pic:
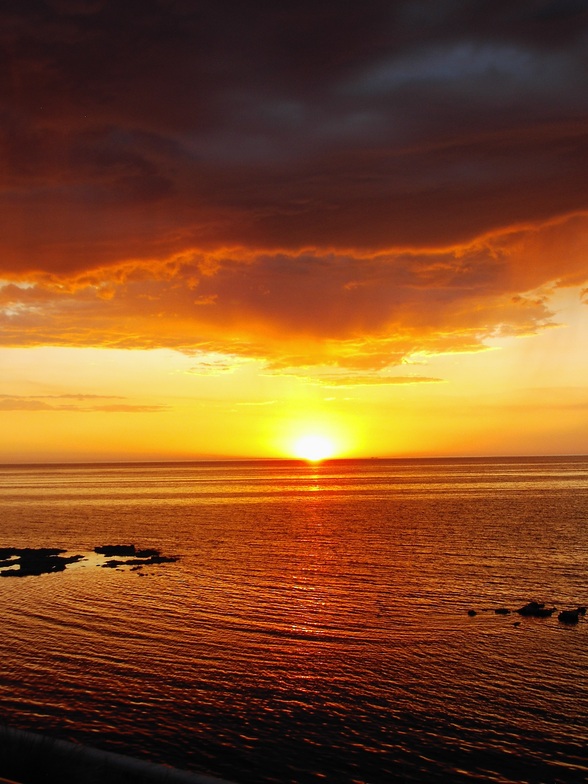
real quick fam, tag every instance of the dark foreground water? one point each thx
(315, 628)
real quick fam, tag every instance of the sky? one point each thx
(225, 227)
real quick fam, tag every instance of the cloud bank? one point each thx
(300, 184)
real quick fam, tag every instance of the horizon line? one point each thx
(228, 459)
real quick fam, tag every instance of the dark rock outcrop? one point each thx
(569, 616)
(539, 610)
(536, 610)
(34, 561)
(123, 550)
(136, 559)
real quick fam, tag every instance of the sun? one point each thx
(314, 448)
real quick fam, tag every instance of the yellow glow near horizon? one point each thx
(314, 448)
(527, 396)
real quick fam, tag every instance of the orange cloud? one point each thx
(343, 309)
(359, 186)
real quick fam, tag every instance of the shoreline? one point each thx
(28, 757)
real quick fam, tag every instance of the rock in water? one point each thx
(536, 610)
(569, 616)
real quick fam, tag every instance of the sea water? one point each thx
(315, 626)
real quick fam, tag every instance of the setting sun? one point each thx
(314, 448)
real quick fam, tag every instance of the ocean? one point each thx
(315, 626)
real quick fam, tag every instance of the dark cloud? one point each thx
(354, 167)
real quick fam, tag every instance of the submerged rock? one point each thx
(125, 550)
(138, 562)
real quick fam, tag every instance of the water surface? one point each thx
(315, 627)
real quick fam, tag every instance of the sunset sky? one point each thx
(225, 226)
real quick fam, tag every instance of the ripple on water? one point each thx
(307, 634)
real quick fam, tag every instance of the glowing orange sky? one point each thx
(244, 225)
